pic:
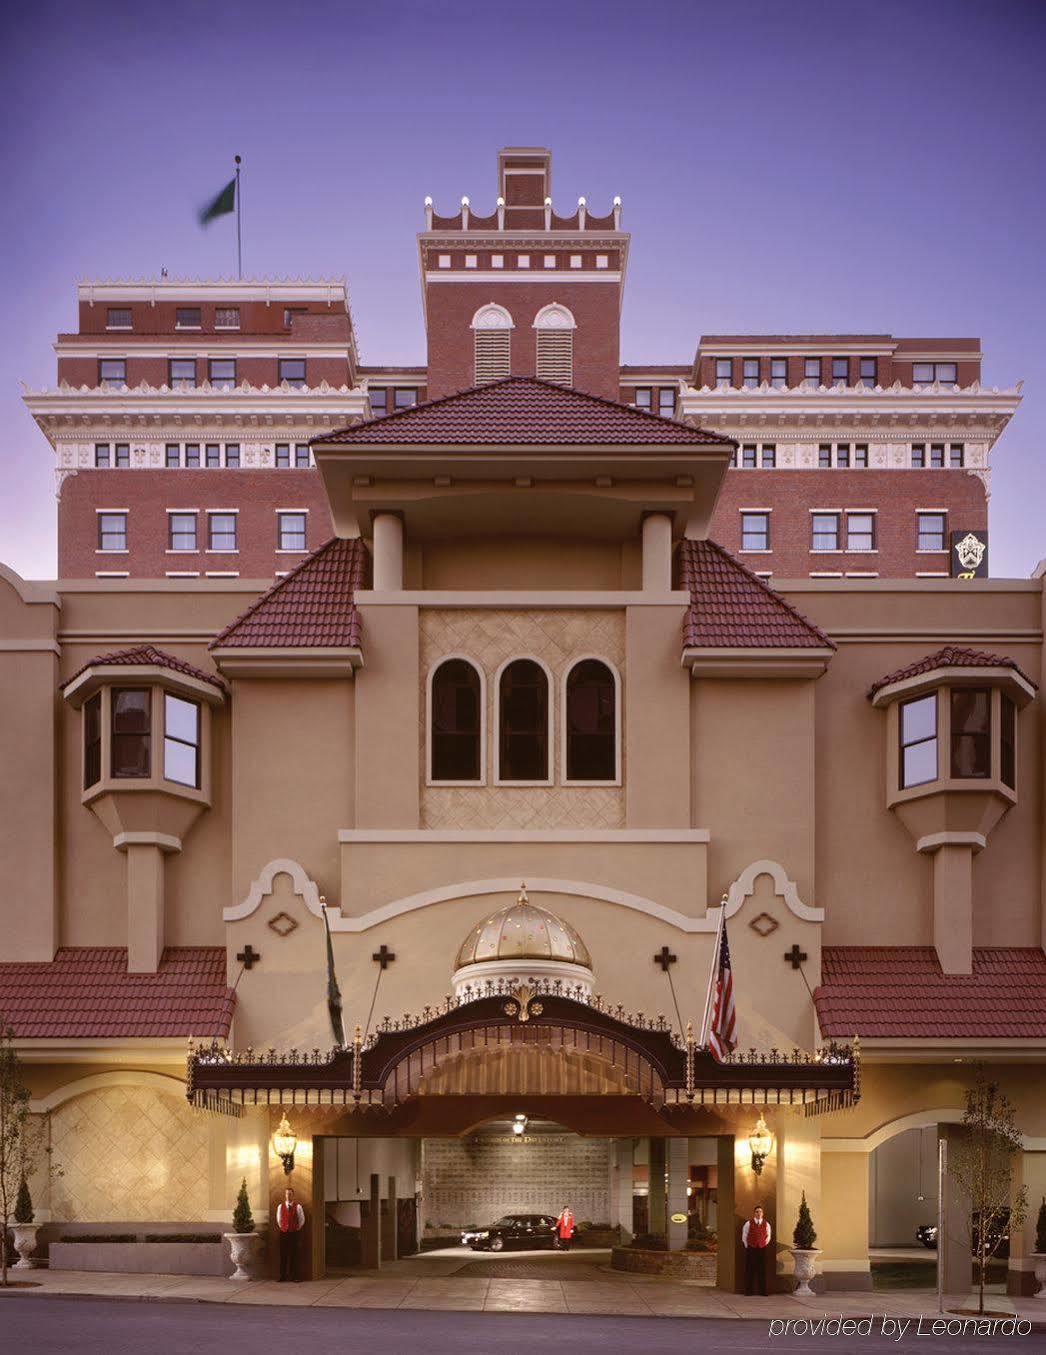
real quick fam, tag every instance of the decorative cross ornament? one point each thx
(664, 958)
(383, 956)
(795, 957)
(248, 956)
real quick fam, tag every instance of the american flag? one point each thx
(722, 1030)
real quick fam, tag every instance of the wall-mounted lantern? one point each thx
(284, 1141)
(761, 1143)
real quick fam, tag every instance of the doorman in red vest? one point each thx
(290, 1220)
(564, 1229)
(755, 1238)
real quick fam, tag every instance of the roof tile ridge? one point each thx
(399, 414)
(770, 591)
(614, 405)
(271, 592)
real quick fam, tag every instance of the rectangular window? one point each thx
(227, 317)
(748, 456)
(824, 529)
(956, 456)
(497, 261)
(918, 731)
(221, 531)
(292, 370)
(575, 260)
(868, 371)
(932, 527)
(523, 261)
(550, 261)
(812, 371)
(283, 456)
(379, 398)
(779, 372)
(971, 732)
(406, 397)
(768, 456)
(122, 455)
(112, 531)
(132, 718)
(112, 372)
(221, 372)
(102, 455)
(118, 317)
(192, 455)
(918, 455)
(172, 456)
(232, 454)
(181, 741)
(842, 456)
(181, 374)
(860, 531)
(1008, 742)
(824, 456)
(666, 402)
(724, 371)
(924, 373)
(755, 531)
(290, 531)
(936, 455)
(289, 312)
(470, 261)
(644, 398)
(840, 371)
(861, 455)
(750, 368)
(301, 456)
(187, 317)
(213, 455)
(181, 531)
(947, 372)
(92, 740)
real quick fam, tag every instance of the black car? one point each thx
(514, 1230)
(927, 1235)
(998, 1236)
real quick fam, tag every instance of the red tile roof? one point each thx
(730, 608)
(140, 655)
(900, 992)
(86, 993)
(951, 656)
(523, 410)
(313, 607)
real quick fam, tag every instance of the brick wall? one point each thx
(475, 1180)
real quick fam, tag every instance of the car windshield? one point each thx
(506, 1222)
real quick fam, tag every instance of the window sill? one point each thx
(101, 550)
(522, 785)
(219, 550)
(182, 550)
(755, 550)
(287, 550)
(605, 785)
(455, 785)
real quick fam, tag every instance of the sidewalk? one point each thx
(606, 1293)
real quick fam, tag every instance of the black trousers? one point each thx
(288, 1256)
(755, 1270)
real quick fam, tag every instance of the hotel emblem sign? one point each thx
(969, 555)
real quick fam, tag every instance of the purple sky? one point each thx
(788, 167)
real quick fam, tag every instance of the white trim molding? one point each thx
(550, 735)
(565, 778)
(162, 1082)
(260, 888)
(434, 668)
(785, 888)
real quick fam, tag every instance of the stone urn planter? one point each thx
(1039, 1257)
(805, 1268)
(243, 1248)
(25, 1244)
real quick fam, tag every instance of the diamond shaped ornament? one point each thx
(283, 924)
(762, 924)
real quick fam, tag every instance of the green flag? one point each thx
(222, 205)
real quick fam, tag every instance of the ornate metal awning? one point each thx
(642, 1057)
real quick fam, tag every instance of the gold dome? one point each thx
(523, 931)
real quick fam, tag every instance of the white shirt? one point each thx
(744, 1233)
(300, 1219)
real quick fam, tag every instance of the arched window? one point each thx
(456, 721)
(523, 716)
(554, 329)
(492, 341)
(591, 722)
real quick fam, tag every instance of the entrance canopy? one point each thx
(516, 1039)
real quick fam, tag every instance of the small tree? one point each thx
(24, 1204)
(242, 1218)
(982, 1165)
(803, 1235)
(22, 1139)
(1040, 1229)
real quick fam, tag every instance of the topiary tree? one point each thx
(1040, 1228)
(803, 1235)
(24, 1204)
(242, 1218)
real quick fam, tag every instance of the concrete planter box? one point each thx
(679, 1265)
(142, 1258)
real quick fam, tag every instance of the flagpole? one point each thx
(239, 241)
(712, 974)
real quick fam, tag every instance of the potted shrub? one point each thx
(1040, 1250)
(803, 1249)
(243, 1240)
(24, 1229)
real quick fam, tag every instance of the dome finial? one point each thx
(523, 892)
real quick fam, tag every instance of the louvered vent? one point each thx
(556, 356)
(493, 355)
